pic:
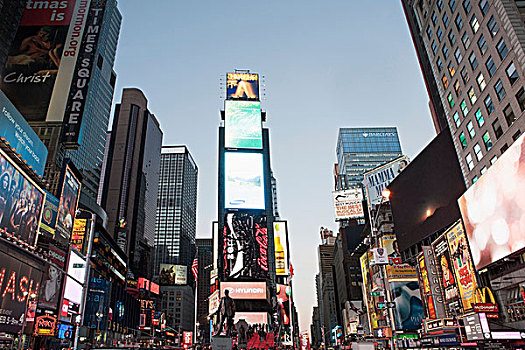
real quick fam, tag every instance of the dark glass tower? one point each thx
(176, 210)
(362, 149)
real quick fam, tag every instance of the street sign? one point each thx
(391, 305)
(375, 293)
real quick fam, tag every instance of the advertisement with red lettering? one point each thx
(18, 281)
(245, 246)
(44, 36)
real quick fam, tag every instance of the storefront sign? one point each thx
(45, 325)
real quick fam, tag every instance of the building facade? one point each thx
(178, 306)
(10, 14)
(362, 149)
(472, 57)
(205, 256)
(176, 208)
(132, 180)
(327, 288)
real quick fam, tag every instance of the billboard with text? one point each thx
(377, 180)
(348, 204)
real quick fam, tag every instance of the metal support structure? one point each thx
(86, 278)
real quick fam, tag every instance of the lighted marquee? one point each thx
(243, 125)
(244, 181)
(245, 246)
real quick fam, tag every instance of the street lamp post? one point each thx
(86, 277)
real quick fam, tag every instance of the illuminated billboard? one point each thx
(348, 204)
(446, 273)
(493, 208)
(79, 234)
(244, 290)
(243, 125)
(49, 215)
(21, 203)
(242, 86)
(51, 288)
(67, 206)
(42, 58)
(171, 274)
(462, 264)
(280, 237)
(244, 181)
(409, 307)
(377, 179)
(245, 246)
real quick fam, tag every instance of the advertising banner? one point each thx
(97, 302)
(428, 299)
(244, 181)
(446, 273)
(389, 242)
(16, 278)
(492, 208)
(67, 206)
(187, 338)
(173, 274)
(242, 86)
(21, 202)
(51, 288)
(401, 272)
(305, 341)
(409, 307)
(79, 234)
(244, 290)
(242, 124)
(21, 137)
(280, 237)
(245, 246)
(284, 311)
(434, 280)
(380, 256)
(462, 263)
(46, 43)
(377, 180)
(213, 302)
(369, 300)
(49, 215)
(473, 327)
(82, 74)
(348, 204)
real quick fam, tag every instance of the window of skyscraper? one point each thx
(470, 161)
(481, 82)
(479, 118)
(474, 24)
(477, 151)
(440, 5)
(500, 90)
(472, 95)
(439, 64)
(491, 66)
(496, 126)
(452, 5)
(429, 32)
(457, 121)
(457, 88)
(463, 140)
(487, 141)
(484, 6)
(470, 128)
(444, 79)
(451, 38)
(488, 104)
(464, 108)
(493, 26)
(464, 75)
(450, 100)
(451, 69)
(482, 171)
(459, 22)
(474, 179)
(465, 39)
(434, 46)
(446, 20)
(509, 115)
(520, 97)
(445, 51)
(434, 18)
(512, 73)
(482, 44)
(473, 60)
(467, 6)
(458, 56)
(502, 49)
(439, 34)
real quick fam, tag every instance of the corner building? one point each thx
(472, 57)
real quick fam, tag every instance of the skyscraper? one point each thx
(471, 54)
(132, 180)
(205, 256)
(176, 210)
(362, 149)
(10, 14)
(93, 119)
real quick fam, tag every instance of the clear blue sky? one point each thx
(327, 64)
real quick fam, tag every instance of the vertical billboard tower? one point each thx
(245, 200)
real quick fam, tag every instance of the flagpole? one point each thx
(195, 321)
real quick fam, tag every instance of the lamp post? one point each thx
(87, 270)
(28, 297)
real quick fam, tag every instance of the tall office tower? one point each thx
(205, 256)
(70, 113)
(132, 180)
(362, 149)
(10, 14)
(178, 306)
(471, 53)
(176, 210)
(326, 279)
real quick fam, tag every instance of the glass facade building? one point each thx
(176, 223)
(362, 149)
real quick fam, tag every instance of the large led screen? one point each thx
(242, 86)
(493, 209)
(21, 203)
(244, 181)
(245, 246)
(67, 206)
(243, 126)
(171, 274)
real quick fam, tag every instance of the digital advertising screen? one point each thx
(242, 86)
(409, 310)
(244, 181)
(49, 215)
(51, 287)
(67, 206)
(171, 274)
(79, 234)
(244, 290)
(243, 125)
(245, 246)
(446, 274)
(73, 291)
(21, 202)
(493, 208)
(280, 237)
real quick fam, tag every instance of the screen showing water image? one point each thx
(244, 185)
(243, 124)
